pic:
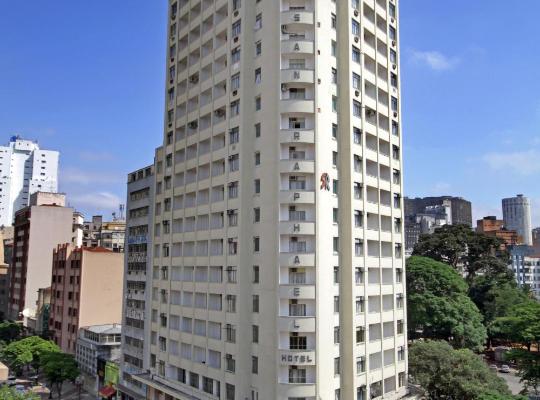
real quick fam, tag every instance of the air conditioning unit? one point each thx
(393, 20)
(230, 212)
(235, 39)
(283, 87)
(393, 43)
(193, 124)
(235, 13)
(395, 114)
(284, 29)
(194, 78)
(357, 93)
(356, 39)
(356, 13)
(171, 81)
(394, 66)
(235, 92)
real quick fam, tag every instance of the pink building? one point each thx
(86, 290)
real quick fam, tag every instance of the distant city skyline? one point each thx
(99, 103)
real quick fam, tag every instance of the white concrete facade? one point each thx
(24, 170)
(277, 246)
(517, 216)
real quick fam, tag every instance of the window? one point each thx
(359, 305)
(256, 214)
(333, 21)
(254, 365)
(393, 56)
(229, 392)
(336, 366)
(258, 75)
(334, 75)
(235, 108)
(234, 163)
(355, 28)
(335, 244)
(236, 28)
(234, 135)
(392, 10)
(357, 191)
(235, 55)
(297, 342)
(400, 327)
(358, 275)
(334, 131)
(395, 128)
(357, 136)
(256, 244)
(335, 186)
(334, 103)
(355, 54)
(360, 334)
(258, 22)
(399, 275)
(335, 215)
(334, 158)
(257, 103)
(358, 217)
(333, 48)
(257, 186)
(394, 80)
(357, 109)
(257, 130)
(336, 334)
(355, 4)
(235, 81)
(358, 248)
(392, 33)
(336, 304)
(258, 48)
(297, 375)
(336, 275)
(236, 4)
(231, 303)
(255, 333)
(360, 364)
(356, 81)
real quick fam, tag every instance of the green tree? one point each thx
(529, 369)
(446, 373)
(438, 305)
(27, 351)
(463, 249)
(7, 393)
(522, 324)
(9, 331)
(498, 396)
(58, 368)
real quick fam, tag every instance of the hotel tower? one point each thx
(277, 268)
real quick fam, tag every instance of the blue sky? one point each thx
(87, 78)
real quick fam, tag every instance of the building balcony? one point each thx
(297, 17)
(297, 291)
(297, 166)
(288, 136)
(297, 196)
(287, 259)
(296, 357)
(296, 390)
(297, 76)
(296, 324)
(296, 228)
(298, 46)
(297, 106)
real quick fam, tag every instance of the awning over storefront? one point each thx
(107, 391)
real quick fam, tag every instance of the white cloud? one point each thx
(434, 60)
(95, 201)
(81, 177)
(520, 162)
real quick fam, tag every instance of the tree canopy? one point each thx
(446, 373)
(9, 331)
(522, 325)
(27, 351)
(463, 249)
(528, 364)
(7, 393)
(438, 305)
(58, 368)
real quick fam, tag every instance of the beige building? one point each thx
(278, 268)
(108, 234)
(37, 231)
(86, 289)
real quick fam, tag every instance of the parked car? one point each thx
(493, 367)
(505, 369)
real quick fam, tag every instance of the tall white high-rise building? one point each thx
(24, 170)
(277, 229)
(517, 216)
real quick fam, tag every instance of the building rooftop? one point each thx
(109, 329)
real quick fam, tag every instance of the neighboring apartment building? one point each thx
(39, 322)
(137, 275)
(86, 289)
(517, 216)
(95, 343)
(6, 243)
(24, 170)
(492, 226)
(461, 209)
(525, 262)
(425, 222)
(277, 245)
(108, 234)
(37, 231)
